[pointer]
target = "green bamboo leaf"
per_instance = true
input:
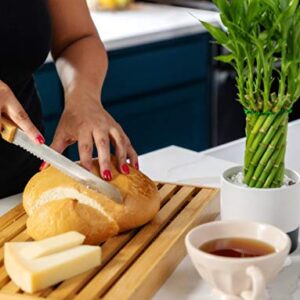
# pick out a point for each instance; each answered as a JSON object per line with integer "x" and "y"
{"x": 263, "y": 36}
{"x": 237, "y": 10}
{"x": 291, "y": 9}
{"x": 224, "y": 20}
{"x": 295, "y": 29}
{"x": 272, "y": 4}
{"x": 230, "y": 46}
{"x": 228, "y": 58}
{"x": 297, "y": 92}
{"x": 294, "y": 61}
{"x": 241, "y": 34}
{"x": 224, "y": 7}
{"x": 254, "y": 12}
{"x": 219, "y": 35}
{"x": 284, "y": 4}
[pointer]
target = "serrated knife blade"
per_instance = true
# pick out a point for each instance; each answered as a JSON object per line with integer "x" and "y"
{"x": 18, "y": 137}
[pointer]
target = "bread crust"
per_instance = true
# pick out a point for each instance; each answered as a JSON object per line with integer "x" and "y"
{"x": 55, "y": 203}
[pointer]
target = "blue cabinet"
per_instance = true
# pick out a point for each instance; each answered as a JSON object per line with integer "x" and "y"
{"x": 159, "y": 93}
{"x": 141, "y": 70}
{"x": 174, "y": 116}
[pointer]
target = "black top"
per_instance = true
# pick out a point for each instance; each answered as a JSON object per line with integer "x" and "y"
{"x": 25, "y": 35}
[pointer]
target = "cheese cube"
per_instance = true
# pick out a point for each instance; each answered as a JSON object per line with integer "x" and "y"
{"x": 36, "y": 265}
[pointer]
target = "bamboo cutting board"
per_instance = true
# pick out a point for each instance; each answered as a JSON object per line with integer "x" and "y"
{"x": 134, "y": 264}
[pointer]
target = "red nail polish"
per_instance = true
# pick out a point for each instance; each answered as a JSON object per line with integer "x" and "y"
{"x": 40, "y": 139}
{"x": 107, "y": 175}
{"x": 43, "y": 165}
{"x": 125, "y": 169}
{"x": 136, "y": 165}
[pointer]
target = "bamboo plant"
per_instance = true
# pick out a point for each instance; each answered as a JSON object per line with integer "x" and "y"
{"x": 263, "y": 39}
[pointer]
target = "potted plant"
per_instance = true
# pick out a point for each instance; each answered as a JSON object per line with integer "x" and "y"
{"x": 262, "y": 38}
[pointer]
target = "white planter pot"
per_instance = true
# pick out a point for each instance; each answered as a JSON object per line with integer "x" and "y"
{"x": 276, "y": 206}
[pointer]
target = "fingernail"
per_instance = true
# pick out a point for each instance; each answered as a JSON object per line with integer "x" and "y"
{"x": 125, "y": 169}
{"x": 43, "y": 166}
{"x": 136, "y": 165}
{"x": 40, "y": 139}
{"x": 107, "y": 175}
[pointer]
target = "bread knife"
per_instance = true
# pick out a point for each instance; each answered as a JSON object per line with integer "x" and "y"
{"x": 12, "y": 134}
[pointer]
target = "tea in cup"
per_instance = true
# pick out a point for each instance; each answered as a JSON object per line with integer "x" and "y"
{"x": 238, "y": 258}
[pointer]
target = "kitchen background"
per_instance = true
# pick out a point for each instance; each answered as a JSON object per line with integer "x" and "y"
{"x": 162, "y": 86}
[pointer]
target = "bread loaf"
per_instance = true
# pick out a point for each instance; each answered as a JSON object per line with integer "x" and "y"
{"x": 55, "y": 203}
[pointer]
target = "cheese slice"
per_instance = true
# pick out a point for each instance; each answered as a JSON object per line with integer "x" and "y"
{"x": 51, "y": 245}
{"x": 36, "y": 265}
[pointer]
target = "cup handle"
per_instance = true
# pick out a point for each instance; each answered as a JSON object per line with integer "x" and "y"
{"x": 258, "y": 284}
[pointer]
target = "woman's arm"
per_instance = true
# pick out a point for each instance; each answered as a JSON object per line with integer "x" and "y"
{"x": 79, "y": 53}
{"x": 81, "y": 62}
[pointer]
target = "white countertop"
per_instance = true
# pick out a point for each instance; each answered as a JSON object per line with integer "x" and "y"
{"x": 175, "y": 164}
{"x": 144, "y": 23}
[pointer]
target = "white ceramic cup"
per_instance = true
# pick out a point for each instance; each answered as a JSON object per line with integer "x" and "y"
{"x": 238, "y": 278}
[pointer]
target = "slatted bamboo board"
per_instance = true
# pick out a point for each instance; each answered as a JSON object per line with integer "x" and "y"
{"x": 136, "y": 263}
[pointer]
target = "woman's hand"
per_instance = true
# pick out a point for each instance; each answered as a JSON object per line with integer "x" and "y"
{"x": 11, "y": 108}
{"x": 86, "y": 121}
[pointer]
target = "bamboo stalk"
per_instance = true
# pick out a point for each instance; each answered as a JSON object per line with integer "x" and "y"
{"x": 268, "y": 153}
{"x": 256, "y": 128}
{"x": 270, "y": 178}
{"x": 264, "y": 137}
{"x": 279, "y": 176}
{"x": 264, "y": 174}
{"x": 265, "y": 147}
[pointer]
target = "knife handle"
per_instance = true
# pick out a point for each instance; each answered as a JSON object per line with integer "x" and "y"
{"x": 8, "y": 130}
